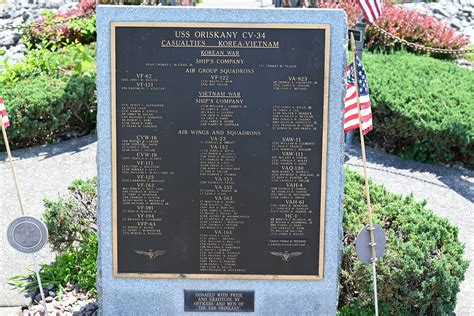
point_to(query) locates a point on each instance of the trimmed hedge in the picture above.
(50, 96)
(423, 264)
(422, 108)
(44, 110)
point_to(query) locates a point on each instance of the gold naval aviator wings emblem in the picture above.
(286, 256)
(150, 253)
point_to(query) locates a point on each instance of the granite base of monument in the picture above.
(220, 160)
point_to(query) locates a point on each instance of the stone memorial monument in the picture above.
(220, 160)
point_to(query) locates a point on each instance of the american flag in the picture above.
(372, 9)
(3, 111)
(351, 113)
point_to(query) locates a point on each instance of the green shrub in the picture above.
(423, 264)
(422, 108)
(73, 217)
(74, 59)
(50, 95)
(55, 30)
(75, 266)
(71, 223)
(58, 33)
(46, 109)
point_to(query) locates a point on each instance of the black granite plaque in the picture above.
(219, 149)
(219, 301)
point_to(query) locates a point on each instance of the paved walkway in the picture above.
(46, 171)
(42, 172)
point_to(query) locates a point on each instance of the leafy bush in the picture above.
(71, 223)
(50, 96)
(74, 59)
(423, 264)
(416, 28)
(45, 109)
(55, 30)
(422, 108)
(412, 26)
(72, 218)
(75, 266)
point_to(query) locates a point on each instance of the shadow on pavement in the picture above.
(456, 178)
(71, 147)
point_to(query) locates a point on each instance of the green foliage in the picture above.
(470, 56)
(356, 310)
(75, 266)
(86, 27)
(73, 217)
(50, 96)
(52, 37)
(54, 30)
(71, 223)
(86, 264)
(423, 264)
(422, 108)
(74, 59)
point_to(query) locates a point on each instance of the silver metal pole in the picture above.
(40, 285)
(374, 277)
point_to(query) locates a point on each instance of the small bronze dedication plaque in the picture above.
(219, 149)
(219, 301)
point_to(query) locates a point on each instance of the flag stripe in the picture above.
(351, 105)
(378, 7)
(372, 9)
(352, 124)
(363, 112)
(373, 12)
(354, 119)
(366, 11)
(351, 117)
(353, 101)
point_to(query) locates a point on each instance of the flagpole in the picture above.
(7, 146)
(366, 178)
(20, 200)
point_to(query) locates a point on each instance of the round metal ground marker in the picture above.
(363, 249)
(27, 234)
